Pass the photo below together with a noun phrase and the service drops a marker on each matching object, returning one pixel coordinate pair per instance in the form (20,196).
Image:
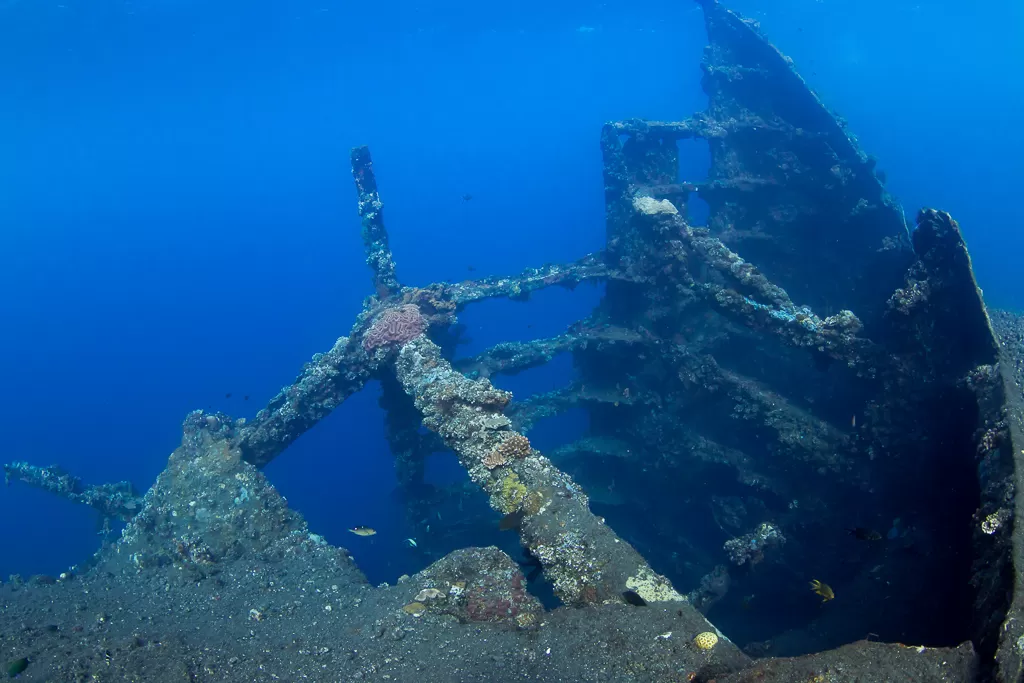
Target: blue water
(178,217)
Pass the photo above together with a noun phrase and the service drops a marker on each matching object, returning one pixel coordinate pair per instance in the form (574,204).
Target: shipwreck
(802,364)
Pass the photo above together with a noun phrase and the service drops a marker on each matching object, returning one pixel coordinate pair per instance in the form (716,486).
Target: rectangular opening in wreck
(341,474)
(555,373)
(546,313)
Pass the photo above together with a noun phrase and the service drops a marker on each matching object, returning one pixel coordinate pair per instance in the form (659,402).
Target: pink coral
(395,326)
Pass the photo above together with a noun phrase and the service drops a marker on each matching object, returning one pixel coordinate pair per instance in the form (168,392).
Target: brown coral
(431,300)
(514,446)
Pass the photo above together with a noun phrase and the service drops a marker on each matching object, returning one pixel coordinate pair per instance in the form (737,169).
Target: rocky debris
(479,585)
(210,507)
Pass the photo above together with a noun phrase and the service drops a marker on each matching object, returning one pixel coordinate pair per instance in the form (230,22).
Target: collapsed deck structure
(803,364)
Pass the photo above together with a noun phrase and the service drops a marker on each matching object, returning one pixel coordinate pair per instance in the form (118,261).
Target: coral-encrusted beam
(749,297)
(584,559)
(329,378)
(375,235)
(112,500)
(519,287)
(325,382)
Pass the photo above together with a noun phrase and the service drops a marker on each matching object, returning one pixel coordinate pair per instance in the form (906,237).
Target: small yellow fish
(822,589)
(363,531)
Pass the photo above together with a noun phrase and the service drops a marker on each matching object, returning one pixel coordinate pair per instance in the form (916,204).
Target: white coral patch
(652,587)
(653,207)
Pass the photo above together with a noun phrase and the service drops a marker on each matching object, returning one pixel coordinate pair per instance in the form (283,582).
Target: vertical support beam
(375,235)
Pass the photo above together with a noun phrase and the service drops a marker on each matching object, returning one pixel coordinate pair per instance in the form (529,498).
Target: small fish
(17,666)
(363,531)
(246,397)
(227,395)
(411,542)
(822,589)
(471,268)
(862,534)
(511,521)
(466,197)
(633,598)
(853,421)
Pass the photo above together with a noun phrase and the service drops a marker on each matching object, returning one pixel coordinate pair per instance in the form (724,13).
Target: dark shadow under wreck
(882,400)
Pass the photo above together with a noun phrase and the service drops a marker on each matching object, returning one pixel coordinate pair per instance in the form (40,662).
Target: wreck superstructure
(804,358)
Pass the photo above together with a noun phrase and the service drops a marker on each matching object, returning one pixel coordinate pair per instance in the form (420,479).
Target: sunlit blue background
(177,215)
